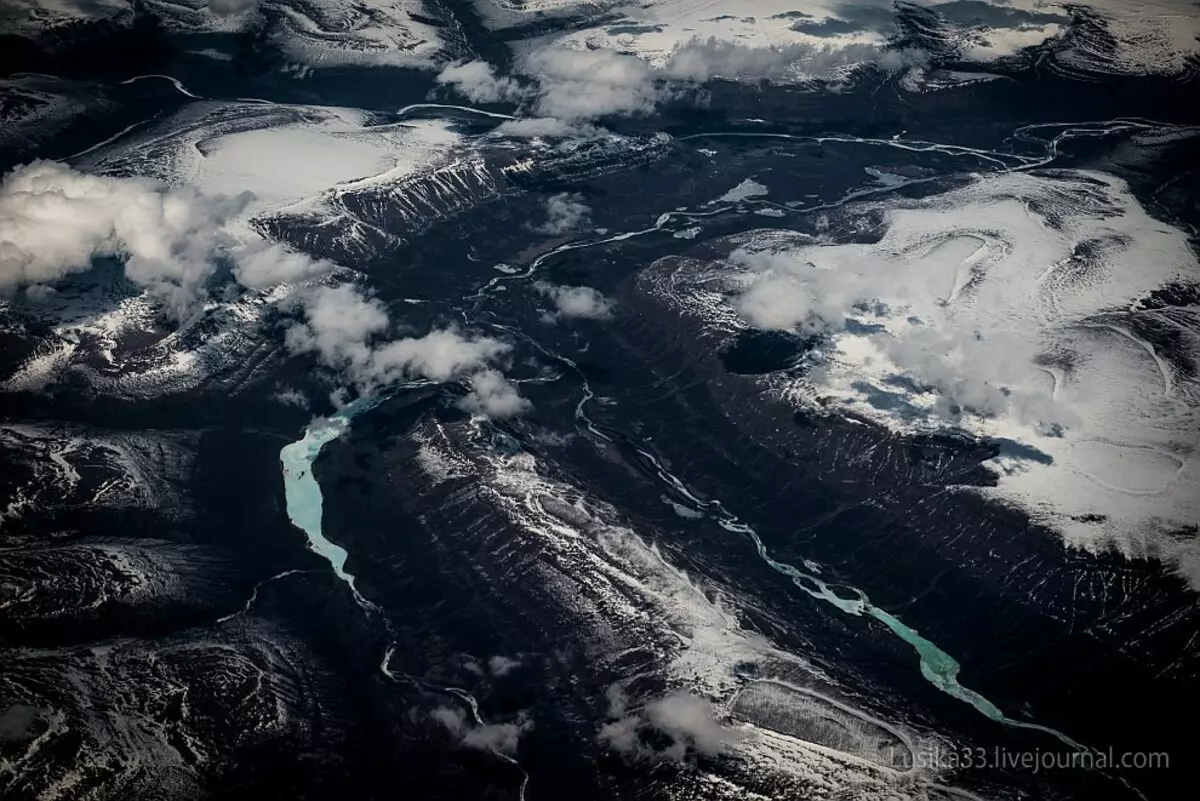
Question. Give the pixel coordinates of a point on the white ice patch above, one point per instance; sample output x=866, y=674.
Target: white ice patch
x=769, y=212
x=746, y=189
x=1013, y=308
x=292, y=158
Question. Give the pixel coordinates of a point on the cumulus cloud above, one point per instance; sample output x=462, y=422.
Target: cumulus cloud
x=231, y=8
x=501, y=665
x=778, y=302
x=477, y=81
x=784, y=292
x=688, y=722
x=576, y=301
x=291, y=397
x=565, y=87
x=493, y=395
x=565, y=212
x=703, y=60
x=266, y=265
x=440, y=355
x=345, y=330
x=339, y=325
x=621, y=735
x=40, y=292
x=54, y=220
x=618, y=702
x=499, y=737
x=587, y=84
x=544, y=127
x=902, y=59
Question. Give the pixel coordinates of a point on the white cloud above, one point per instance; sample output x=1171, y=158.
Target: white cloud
x=265, y=265
x=494, y=395
x=701, y=61
x=477, y=81
x=441, y=355
x=621, y=735
x=899, y=60
x=40, y=292
x=784, y=292
x=688, y=721
x=565, y=212
x=544, y=127
x=291, y=397
x=54, y=220
x=617, y=700
x=230, y=8
x=976, y=371
x=576, y=301
x=587, y=84
x=499, y=737
x=345, y=329
x=339, y=325
x=501, y=665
